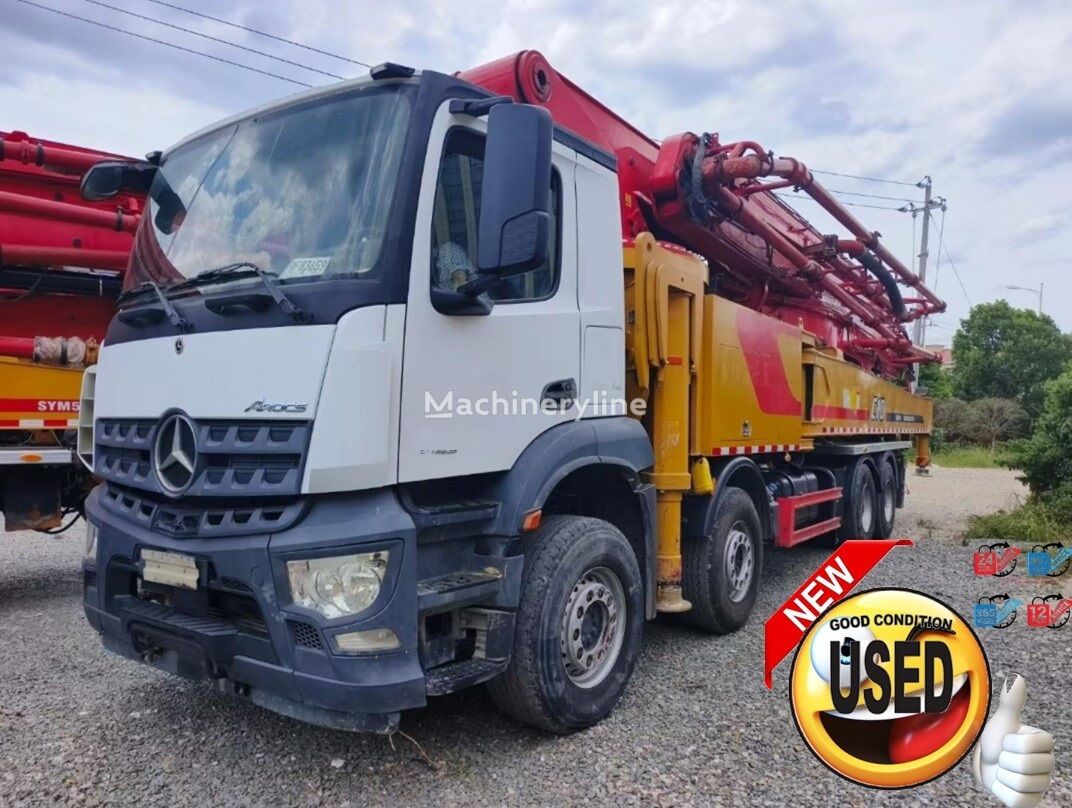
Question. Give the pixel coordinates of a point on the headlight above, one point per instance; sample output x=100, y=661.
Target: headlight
x=90, y=551
x=339, y=586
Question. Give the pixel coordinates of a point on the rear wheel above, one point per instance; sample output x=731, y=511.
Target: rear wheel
x=720, y=571
x=886, y=511
x=578, y=630
x=859, y=510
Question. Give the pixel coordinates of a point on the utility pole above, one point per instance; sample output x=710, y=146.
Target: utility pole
x=919, y=333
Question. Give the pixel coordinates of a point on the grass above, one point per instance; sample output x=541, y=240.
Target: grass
x=1031, y=522
x=957, y=456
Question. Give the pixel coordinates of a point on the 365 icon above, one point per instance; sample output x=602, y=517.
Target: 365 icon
x=996, y=611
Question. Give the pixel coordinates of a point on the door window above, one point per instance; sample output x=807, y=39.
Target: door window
x=456, y=218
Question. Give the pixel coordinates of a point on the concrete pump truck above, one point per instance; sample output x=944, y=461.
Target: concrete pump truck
x=422, y=381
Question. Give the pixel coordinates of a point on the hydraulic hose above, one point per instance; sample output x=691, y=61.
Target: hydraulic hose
x=893, y=292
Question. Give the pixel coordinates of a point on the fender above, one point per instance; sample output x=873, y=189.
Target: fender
x=737, y=472
x=616, y=441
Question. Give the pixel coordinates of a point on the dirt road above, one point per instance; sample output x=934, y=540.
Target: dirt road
x=695, y=727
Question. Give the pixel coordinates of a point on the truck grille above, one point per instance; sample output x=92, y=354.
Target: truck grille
x=234, y=458
x=187, y=519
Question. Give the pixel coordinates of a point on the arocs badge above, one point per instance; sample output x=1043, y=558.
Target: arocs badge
x=890, y=688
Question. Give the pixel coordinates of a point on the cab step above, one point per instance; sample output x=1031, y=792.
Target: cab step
x=454, y=512
x=459, y=675
x=457, y=588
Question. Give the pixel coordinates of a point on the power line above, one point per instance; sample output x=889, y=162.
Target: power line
x=849, y=204
x=165, y=43
x=851, y=193
x=214, y=39
x=956, y=271
x=260, y=33
x=941, y=234
x=852, y=176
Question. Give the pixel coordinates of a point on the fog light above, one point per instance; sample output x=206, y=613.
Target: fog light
x=89, y=553
x=363, y=642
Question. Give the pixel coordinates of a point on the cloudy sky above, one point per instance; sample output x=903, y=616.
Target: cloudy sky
x=974, y=94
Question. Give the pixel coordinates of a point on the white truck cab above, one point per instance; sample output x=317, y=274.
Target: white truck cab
x=372, y=351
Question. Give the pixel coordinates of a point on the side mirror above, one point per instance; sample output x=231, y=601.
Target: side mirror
x=515, y=216
x=106, y=179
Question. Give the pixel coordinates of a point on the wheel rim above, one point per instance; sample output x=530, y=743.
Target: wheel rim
x=888, y=504
x=867, y=514
x=740, y=561
x=593, y=627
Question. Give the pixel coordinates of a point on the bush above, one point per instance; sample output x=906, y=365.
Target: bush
x=994, y=419
x=1046, y=457
x=936, y=380
x=1032, y=522
x=1059, y=503
x=985, y=421
x=952, y=416
x=1041, y=519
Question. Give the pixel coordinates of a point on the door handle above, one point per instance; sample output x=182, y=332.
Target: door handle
x=562, y=393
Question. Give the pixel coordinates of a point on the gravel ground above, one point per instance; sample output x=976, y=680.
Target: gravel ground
x=695, y=727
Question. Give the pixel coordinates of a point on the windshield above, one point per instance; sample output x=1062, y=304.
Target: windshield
x=303, y=192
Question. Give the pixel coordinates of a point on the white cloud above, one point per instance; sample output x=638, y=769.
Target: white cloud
x=973, y=94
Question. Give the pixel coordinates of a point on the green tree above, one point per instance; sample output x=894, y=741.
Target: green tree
x=1045, y=457
x=994, y=419
x=953, y=417
x=937, y=380
x=1002, y=352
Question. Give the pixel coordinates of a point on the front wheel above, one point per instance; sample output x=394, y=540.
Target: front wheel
x=578, y=629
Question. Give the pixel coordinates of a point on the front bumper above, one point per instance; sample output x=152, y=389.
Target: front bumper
x=240, y=629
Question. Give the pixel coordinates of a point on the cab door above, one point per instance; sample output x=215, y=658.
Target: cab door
x=474, y=386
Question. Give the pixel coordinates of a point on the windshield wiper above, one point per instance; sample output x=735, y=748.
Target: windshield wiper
x=166, y=306
x=244, y=269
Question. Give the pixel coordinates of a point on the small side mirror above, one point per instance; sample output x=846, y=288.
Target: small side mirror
x=515, y=216
x=105, y=179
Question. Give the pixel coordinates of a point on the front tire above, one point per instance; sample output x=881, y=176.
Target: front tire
x=721, y=571
x=578, y=631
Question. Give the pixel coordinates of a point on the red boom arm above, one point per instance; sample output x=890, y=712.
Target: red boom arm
x=710, y=197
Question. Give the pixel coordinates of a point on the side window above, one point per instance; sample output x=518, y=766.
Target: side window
x=456, y=218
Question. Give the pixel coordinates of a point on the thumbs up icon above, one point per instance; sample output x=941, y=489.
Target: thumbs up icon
x=1014, y=761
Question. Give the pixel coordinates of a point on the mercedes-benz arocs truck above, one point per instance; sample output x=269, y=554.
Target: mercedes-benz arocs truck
x=423, y=381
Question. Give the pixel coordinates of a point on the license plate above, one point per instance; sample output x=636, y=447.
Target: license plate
x=171, y=569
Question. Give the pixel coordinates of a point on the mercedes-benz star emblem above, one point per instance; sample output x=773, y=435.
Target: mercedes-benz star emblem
x=178, y=345
x=175, y=453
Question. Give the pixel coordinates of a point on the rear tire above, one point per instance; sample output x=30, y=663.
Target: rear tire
x=721, y=571
x=886, y=499
x=578, y=630
x=859, y=504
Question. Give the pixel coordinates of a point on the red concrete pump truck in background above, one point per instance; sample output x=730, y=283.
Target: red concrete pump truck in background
x=61, y=263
